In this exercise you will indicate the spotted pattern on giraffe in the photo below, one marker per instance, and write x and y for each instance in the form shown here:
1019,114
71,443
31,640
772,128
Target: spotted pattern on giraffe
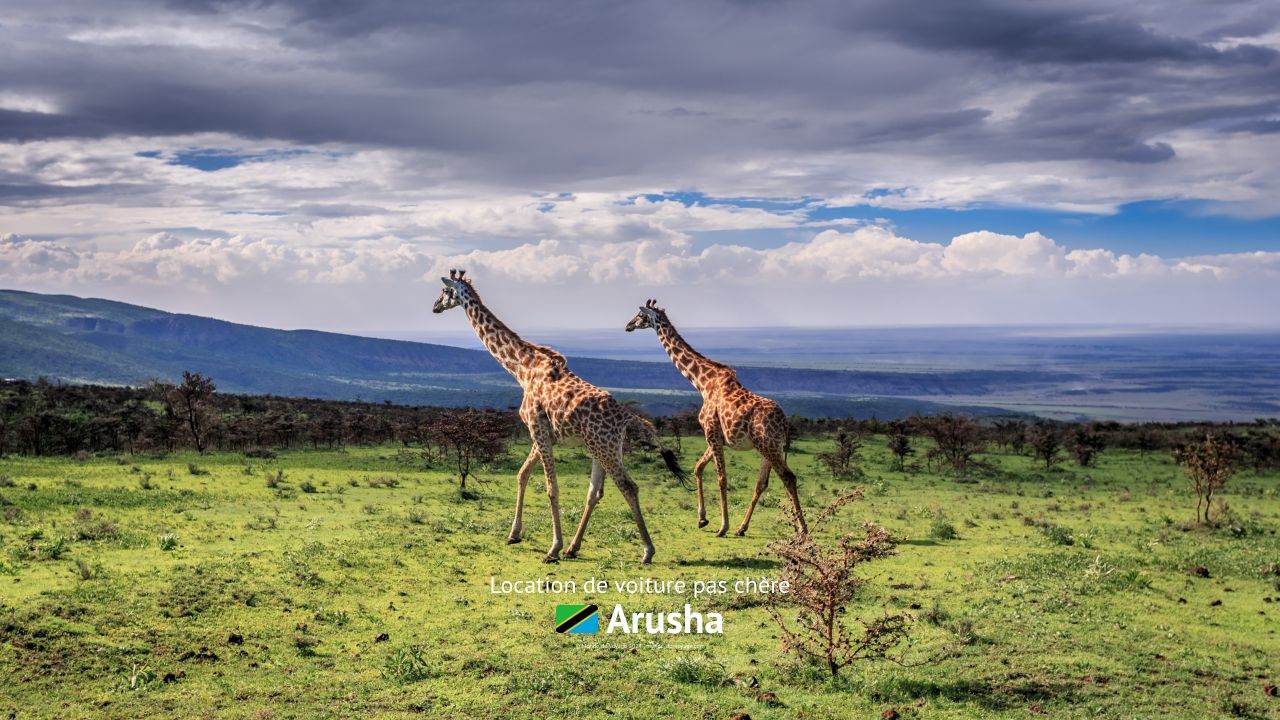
557,405
731,416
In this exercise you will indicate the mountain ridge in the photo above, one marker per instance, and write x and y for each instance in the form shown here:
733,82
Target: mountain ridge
97,340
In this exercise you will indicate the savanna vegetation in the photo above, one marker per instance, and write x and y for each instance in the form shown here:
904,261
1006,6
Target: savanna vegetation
322,560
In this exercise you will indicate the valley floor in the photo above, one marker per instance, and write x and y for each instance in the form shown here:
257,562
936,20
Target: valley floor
335,583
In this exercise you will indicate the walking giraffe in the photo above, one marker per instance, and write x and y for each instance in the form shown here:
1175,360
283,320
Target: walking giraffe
731,415
558,404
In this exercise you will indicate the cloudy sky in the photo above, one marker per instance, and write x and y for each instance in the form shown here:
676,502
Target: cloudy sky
756,162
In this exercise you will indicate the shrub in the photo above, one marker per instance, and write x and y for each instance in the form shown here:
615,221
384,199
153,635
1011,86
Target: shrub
300,566
841,459
407,664
307,487
138,676
168,541
194,469
53,550
86,527
306,644
823,581
1209,464
1056,534
943,530
35,546
263,522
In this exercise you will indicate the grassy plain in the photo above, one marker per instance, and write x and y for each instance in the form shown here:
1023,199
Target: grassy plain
333,583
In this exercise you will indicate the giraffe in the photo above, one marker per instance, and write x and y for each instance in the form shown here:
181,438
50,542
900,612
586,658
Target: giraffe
558,404
730,416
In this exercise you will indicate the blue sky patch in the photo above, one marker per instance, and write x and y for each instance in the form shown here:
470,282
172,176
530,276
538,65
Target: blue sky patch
214,159
1166,228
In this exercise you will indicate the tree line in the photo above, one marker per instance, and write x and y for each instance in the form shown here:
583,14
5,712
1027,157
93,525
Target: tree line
954,442
45,418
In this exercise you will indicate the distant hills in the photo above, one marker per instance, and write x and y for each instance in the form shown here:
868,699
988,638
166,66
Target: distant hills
86,340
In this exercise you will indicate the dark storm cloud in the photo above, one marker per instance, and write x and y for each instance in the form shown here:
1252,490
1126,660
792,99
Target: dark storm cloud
15,193
915,128
551,94
1039,33
18,125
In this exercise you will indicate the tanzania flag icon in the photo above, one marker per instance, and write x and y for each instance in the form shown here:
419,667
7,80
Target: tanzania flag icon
577,619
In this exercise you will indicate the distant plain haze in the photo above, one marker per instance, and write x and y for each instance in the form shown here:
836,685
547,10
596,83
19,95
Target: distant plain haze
1129,373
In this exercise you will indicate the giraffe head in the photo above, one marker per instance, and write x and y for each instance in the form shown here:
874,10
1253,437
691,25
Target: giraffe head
456,289
650,316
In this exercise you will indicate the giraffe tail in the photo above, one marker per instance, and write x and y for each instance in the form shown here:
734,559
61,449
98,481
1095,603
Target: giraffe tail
651,440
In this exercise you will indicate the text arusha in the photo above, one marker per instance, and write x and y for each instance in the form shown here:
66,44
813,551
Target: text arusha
675,623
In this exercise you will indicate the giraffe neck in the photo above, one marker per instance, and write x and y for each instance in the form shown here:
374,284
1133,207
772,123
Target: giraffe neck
509,349
695,367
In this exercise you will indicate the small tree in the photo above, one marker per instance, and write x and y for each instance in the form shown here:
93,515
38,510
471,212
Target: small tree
1085,444
469,437
190,401
1145,440
822,581
900,443
1045,444
956,440
1209,464
840,459
1263,450
1012,434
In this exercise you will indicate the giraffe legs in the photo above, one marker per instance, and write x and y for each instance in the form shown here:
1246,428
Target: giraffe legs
714,451
697,474
773,460
522,480
632,494
542,443
722,482
761,483
789,482
594,493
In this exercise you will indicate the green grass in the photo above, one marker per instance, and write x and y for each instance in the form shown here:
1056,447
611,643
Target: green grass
1065,593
